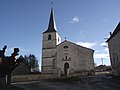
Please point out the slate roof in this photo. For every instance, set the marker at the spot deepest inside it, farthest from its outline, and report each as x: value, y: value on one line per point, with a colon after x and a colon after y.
x: 52, y: 24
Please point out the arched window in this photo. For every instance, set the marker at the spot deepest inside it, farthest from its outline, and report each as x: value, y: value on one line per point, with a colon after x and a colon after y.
x: 49, y: 37
x: 66, y: 57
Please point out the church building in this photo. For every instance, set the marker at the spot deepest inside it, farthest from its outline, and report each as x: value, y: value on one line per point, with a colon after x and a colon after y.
x: 64, y: 58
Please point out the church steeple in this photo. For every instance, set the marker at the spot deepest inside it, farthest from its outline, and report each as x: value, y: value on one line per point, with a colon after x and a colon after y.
x: 52, y: 24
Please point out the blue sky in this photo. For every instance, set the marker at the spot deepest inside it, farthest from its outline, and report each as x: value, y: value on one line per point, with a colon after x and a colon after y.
x: 85, y: 22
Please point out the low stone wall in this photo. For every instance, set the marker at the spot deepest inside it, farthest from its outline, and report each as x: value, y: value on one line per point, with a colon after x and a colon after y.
x: 82, y: 73
x: 35, y: 77
x: 24, y: 78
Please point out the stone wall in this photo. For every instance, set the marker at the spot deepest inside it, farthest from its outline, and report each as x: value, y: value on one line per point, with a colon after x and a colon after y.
x: 36, y: 77
x: 79, y: 58
x: 114, y: 50
x: 25, y: 78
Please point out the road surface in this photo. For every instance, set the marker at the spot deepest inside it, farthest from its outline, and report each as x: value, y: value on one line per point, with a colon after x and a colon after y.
x: 81, y: 83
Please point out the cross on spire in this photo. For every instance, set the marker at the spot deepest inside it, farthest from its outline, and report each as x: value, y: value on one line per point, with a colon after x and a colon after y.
x: 51, y: 4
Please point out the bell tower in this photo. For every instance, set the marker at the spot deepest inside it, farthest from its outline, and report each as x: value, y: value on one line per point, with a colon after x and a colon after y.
x: 49, y: 45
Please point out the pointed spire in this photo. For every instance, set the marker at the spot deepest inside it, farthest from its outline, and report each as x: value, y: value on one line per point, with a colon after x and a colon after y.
x: 52, y: 24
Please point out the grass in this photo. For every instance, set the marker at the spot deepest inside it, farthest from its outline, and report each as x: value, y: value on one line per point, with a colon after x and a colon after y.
x: 12, y: 87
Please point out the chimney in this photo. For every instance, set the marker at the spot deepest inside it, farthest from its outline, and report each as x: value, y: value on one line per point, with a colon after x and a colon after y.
x: 110, y: 33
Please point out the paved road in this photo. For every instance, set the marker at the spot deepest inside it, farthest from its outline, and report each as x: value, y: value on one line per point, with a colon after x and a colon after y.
x: 84, y: 83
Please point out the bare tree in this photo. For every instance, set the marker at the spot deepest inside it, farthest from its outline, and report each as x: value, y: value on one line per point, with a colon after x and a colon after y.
x: 31, y: 62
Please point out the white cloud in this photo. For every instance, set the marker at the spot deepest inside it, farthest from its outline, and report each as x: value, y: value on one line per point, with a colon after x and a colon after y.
x: 101, y: 55
x: 106, y: 49
x: 86, y: 44
x: 96, y: 51
x: 75, y: 19
x: 103, y: 44
x: 105, y: 53
x: 106, y: 46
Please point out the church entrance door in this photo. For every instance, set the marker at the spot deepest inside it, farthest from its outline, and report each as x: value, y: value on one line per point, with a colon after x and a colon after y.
x: 66, y: 67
